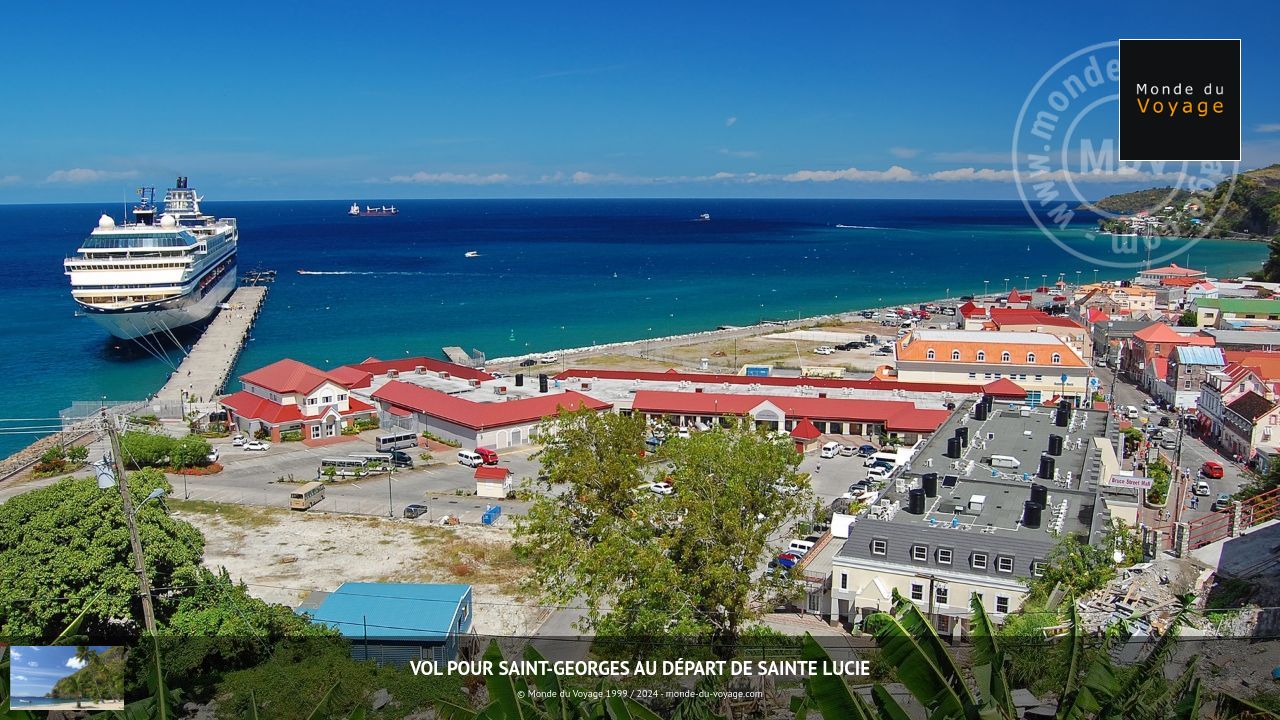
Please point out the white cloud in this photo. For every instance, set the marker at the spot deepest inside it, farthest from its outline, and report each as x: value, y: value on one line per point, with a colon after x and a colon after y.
x: 895, y: 173
x: 10, y: 180
x: 739, y: 153
x: 87, y: 175
x: 14, y: 654
x: 75, y: 663
x: 730, y: 121
x: 967, y: 174
x: 447, y: 178
x: 32, y: 663
x: 1267, y: 128
x: 904, y: 152
x: 20, y: 677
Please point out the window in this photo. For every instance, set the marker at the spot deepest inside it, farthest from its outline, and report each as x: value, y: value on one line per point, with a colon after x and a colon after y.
x: 844, y: 581
x: 917, y: 591
x: 973, y: 375
x: 1039, y: 378
x: 1037, y: 568
x: 928, y: 355
x: 315, y: 431
x: 1056, y: 359
x: 982, y: 356
x: 999, y: 375
x: 1004, y: 563
x: 815, y: 602
x: 986, y: 376
x: 919, y: 553
x: 955, y: 354
x: 326, y: 399
x: 944, y: 556
x: 1005, y: 356
x: 1031, y: 358
x: 311, y: 401
x: 940, y: 594
x: 342, y: 396
x: 879, y: 547
x: 978, y: 561
x: 1002, y: 604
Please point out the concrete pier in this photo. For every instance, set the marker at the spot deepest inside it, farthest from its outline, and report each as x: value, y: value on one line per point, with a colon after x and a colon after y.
x: 206, y: 369
x: 458, y: 356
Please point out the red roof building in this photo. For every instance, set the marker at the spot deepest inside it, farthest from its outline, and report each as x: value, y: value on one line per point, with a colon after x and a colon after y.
x: 1157, y: 340
x: 828, y: 415
x: 405, y: 366
x: 477, y: 424
x: 673, y: 375
x: 291, y: 396
x: 805, y: 430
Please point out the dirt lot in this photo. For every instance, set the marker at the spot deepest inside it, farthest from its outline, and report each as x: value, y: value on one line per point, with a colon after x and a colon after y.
x: 282, y: 556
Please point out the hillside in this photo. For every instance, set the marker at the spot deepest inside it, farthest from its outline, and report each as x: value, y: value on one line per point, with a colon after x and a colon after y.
x: 1132, y: 202
x: 102, y: 678
x: 1253, y: 208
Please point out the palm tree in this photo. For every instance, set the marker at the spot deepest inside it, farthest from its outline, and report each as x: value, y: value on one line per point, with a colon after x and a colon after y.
x: 1094, y: 688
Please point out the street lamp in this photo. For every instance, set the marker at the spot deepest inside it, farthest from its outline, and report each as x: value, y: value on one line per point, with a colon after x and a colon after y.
x: 1006, y: 286
x: 984, y: 287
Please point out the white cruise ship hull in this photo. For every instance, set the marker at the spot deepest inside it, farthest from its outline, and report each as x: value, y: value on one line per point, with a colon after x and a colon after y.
x: 194, y: 307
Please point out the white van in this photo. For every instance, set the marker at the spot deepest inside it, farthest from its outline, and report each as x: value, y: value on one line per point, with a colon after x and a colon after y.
x: 1131, y: 412
x: 470, y: 458
x: 830, y: 450
x: 1004, y: 461
x: 881, y: 457
x: 877, y: 473
x: 800, y: 547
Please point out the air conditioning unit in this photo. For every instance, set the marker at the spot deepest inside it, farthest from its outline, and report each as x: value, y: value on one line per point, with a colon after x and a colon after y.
x: 393, y: 373
x: 585, y: 386
x: 474, y: 383
x: 500, y: 389
x: 443, y: 375
x: 420, y: 369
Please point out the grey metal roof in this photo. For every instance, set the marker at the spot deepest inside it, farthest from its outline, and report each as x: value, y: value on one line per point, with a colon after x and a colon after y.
x: 1199, y: 355
x: 993, y: 528
x: 1259, y: 338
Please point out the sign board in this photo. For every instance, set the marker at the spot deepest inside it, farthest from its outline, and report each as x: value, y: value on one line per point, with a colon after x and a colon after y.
x: 1130, y: 481
x: 756, y: 371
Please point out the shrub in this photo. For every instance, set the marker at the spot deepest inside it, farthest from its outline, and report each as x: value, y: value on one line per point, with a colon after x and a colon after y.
x: 78, y: 454
x: 190, y: 451
x: 291, y: 436
x: 145, y: 449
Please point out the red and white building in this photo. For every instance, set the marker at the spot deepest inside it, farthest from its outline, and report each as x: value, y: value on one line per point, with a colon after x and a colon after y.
x: 288, y: 395
x: 835, y: 416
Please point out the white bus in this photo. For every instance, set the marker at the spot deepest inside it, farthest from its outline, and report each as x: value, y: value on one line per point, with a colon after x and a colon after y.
x: 345, y: 466
x: 377, y: 461
x: 397, y: 441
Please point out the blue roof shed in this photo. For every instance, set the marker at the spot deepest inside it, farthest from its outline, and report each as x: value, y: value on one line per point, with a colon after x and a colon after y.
x: 396, y: 622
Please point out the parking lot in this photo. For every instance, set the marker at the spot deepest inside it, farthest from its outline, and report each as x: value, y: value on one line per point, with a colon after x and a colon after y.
x: 265, y: 478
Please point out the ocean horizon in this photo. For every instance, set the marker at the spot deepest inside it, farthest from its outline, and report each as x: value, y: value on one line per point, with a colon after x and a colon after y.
x: 549, y: 274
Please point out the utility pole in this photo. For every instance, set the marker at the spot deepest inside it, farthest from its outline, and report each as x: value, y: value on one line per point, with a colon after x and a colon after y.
x: 1177, y: 468
x: 135, y: 542
x: 391, y: 470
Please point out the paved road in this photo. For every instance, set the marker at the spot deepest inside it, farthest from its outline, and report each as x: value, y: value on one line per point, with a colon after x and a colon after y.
x: 1194, y: 454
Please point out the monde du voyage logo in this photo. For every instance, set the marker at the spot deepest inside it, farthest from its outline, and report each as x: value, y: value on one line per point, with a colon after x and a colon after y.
x: 1179, y: 100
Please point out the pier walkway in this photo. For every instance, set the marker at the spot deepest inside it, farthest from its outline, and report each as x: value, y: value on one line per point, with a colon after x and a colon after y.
x: 205, y: 371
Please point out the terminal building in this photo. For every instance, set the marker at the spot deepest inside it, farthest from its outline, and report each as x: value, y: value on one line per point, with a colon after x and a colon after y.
x: 978, y: 510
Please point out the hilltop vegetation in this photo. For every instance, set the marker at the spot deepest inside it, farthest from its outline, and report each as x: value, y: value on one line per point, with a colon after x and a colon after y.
x: 1138, y: 200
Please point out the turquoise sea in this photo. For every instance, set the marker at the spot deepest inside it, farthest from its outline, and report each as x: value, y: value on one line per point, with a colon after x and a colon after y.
x: 550, y: 274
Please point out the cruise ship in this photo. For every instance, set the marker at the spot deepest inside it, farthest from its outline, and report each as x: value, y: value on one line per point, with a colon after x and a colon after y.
x: 160, y: 271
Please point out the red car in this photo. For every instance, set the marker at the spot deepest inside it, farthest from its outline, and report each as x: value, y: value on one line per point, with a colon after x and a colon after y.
x: 1211, y: 469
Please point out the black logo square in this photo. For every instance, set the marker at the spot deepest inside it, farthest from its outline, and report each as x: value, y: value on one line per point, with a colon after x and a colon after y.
x: 1180, y: 100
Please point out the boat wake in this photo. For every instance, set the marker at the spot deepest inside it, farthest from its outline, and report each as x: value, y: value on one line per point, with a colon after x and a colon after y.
x: 863, y: 227
x: 362, y: 272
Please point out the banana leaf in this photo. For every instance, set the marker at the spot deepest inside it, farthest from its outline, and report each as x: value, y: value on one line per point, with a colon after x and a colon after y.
x: 548, y: 683
x: 887, y: 705
x: 502, y: 689
x: 922, y: 631
x: 928, y: 683
x: 828, y: 693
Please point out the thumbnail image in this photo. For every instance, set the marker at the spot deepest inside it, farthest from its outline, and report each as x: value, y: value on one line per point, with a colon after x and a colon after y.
x: 72, y: 677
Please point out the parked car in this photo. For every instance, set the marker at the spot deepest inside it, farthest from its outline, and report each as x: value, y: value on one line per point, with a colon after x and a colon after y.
x: 1211, y: 469
x: 488, y: 456
x: 866, y: 450
x: 878, y: 472
x: 1151, y: 407
x: 829, y: 450
x: 823, y: 350
x: 547, y: 359
x: 257, y: 445
x: 1222, y: 502
x: 662, y: 488
x: 239, y: 440
x: 1131, y: 412
x: 415, y: 510
x: 528, y: 362
x: 213, y: 455
x: 1201, y: 488
x: 848, y: 450
x: 786, y: 561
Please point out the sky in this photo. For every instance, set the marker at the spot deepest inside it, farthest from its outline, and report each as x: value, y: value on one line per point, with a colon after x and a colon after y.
x: 33, y: 671
x: 331, y: 100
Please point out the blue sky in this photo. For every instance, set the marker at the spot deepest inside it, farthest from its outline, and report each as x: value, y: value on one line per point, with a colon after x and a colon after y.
x: 568, y: 99
x: 34, y: 670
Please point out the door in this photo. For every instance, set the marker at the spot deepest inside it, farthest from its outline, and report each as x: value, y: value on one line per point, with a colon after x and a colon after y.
x: 330, y: 429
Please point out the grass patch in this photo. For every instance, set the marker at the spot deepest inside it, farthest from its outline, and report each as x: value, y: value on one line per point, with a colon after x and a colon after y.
x: 238, y: 515
x: 1229, y: 592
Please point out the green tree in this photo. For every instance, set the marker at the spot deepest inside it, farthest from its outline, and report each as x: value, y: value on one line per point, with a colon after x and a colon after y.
x: 1187, y: 318
x: 190, y: 451
x: 62, y: 544
x: 1078, y: 567
x: 78, y: 454
x: 649, y: 565
x: 145, y: 449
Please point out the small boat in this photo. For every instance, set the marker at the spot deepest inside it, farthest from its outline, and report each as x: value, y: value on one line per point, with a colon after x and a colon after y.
x: 704, y: 217
x: 472, y: 253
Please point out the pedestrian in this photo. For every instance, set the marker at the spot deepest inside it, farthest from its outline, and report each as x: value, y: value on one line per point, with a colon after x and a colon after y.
x: 818, y: 469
